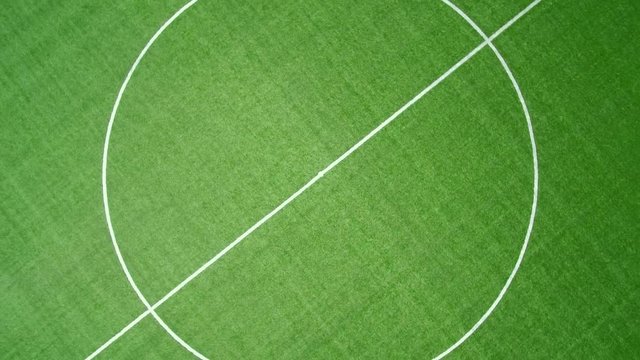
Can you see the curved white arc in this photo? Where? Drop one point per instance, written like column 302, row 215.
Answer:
column 105, row 198
column 150, row 309
column 534, row 204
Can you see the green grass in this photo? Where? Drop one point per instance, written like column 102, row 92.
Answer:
column 394, row 254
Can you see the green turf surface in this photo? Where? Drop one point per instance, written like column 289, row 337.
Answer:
column 394, row 254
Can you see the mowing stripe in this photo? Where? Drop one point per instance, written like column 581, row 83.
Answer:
column 150, row 309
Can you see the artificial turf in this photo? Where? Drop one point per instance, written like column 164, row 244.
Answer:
column 394, row 254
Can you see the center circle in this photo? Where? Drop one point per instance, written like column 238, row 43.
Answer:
column 251, row 155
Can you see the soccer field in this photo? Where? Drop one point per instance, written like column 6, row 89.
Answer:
column 320, row 180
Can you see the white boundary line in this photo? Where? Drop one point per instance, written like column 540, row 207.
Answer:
column 105, row 199
column 534, row 204
column 151, row 309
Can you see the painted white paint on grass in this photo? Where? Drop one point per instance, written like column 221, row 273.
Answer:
column 105, row 200
column 151, row 308
column 534, row 204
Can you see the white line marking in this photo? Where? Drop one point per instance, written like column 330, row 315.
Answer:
column 534, row 155
column 120, row 333
column 320, row 174
column 105, row 200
